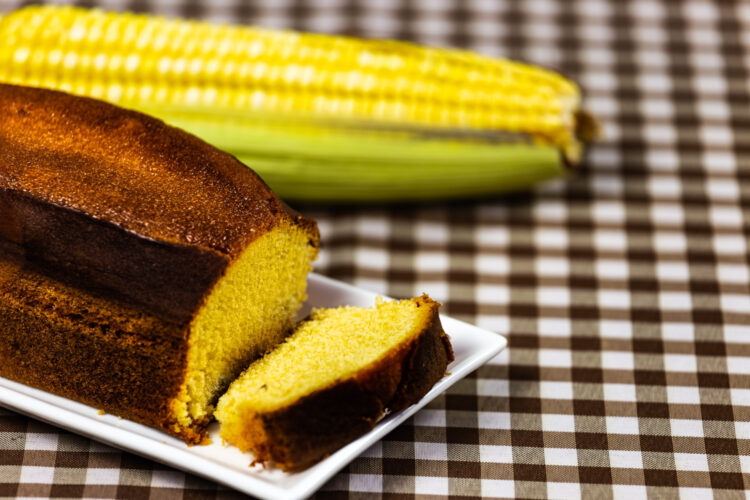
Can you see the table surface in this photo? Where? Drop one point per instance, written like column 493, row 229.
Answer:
column 623, row 291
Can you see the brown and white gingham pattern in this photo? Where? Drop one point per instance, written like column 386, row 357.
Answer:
column 624, row 291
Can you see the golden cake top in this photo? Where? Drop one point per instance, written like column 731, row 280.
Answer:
column 130, row 170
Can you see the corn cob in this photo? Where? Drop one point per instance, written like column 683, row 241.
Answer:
column 317, row 116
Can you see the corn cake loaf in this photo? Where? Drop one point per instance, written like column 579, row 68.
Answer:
column 141, row 269
column 333, row 378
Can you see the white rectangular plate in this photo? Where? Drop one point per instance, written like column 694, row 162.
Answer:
column 225, row 464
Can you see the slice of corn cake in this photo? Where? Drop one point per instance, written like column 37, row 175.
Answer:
column 333, row 379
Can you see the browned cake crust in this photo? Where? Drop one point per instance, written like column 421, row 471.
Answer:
column 302, row 434
column 113, row 229
column 120, row 202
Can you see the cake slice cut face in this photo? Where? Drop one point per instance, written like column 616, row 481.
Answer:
column 248, row 312
column 141, row 269
column 333, row 378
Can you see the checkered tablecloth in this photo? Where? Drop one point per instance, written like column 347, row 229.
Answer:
column 624, row 291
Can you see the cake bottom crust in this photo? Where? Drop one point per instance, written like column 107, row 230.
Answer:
column 59, row 339
column 125, row 377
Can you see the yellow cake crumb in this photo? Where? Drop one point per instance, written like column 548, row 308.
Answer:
column 247, row 313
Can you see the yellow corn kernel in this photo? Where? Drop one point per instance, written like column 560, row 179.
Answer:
column 135, row 59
